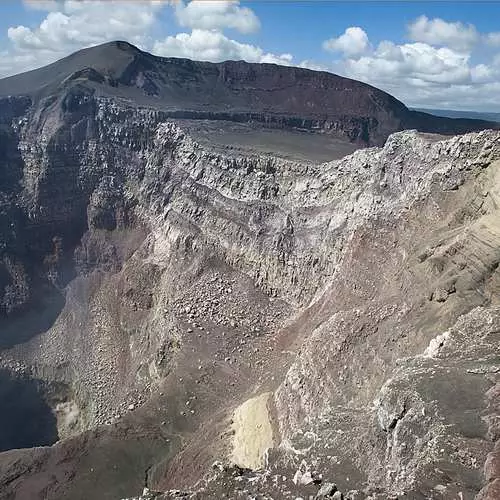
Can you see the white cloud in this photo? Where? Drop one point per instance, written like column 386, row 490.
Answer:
column 482, row 73
column 479, row 97
column 11, row 64
column 407, row 70
column 353, row 42
column 454, row 35
column 416, row 60
column 436, row 70
column 207, row 41
column 445, row 64
column 214, row 46
column 70, row 25
column 216, row 15
column 493, row 39
column 315, row 66
column 80, row 23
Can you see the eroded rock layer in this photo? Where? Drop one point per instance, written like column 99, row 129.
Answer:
column 334, row 325
column 267, row 95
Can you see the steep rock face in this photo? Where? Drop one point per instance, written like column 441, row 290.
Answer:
column 159, row 285
column 236, row 91
column 436, row 258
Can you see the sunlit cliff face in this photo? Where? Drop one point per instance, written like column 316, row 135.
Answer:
column 167, row 303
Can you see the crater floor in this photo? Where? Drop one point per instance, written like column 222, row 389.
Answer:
column 218, row 322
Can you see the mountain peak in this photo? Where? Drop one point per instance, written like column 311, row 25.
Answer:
column 238, row 91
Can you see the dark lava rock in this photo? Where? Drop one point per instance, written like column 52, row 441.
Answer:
column 271, row 95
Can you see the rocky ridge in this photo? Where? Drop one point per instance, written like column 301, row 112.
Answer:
column 178, row 283
column 272, row 96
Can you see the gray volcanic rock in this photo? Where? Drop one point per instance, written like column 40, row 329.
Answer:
column 273, row 96
column 173, row 309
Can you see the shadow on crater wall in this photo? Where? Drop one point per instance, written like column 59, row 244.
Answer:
column 26, row 420
column 22, row 327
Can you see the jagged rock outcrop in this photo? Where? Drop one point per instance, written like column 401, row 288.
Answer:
column 173, row 305
column 236, row 91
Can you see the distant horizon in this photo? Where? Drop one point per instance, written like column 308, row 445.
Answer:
column 460, row 113
column 416, row 107
column 433, row 55
column 457, row 110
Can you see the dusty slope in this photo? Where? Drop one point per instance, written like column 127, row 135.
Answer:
column 193, row 281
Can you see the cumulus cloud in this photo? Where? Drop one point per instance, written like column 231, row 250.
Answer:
column 70, row 25
column 419, row 61
column 208, row 20
column 75, row 24
column 353, row 42
column 216, row 15
column 442, row 64
column 436, row 69
column 454, row 35
column 315, row 66
column 214, row 46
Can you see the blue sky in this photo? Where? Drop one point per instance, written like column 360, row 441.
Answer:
column 300, row 27
column 428, row 54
